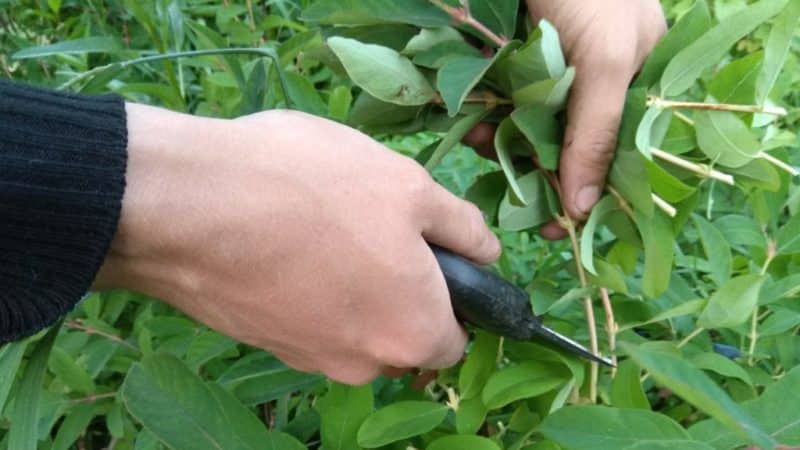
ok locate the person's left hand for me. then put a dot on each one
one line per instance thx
(607, 42)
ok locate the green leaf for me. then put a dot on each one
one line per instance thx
(460, 74)
(781, 321)
(438, 55)
(733, 304)
(690, 27)
(69, 372)
(24, 435)
(539, 59)
(656, 232)
(303, 96)
(499, 15)
(603, 428)
(77, 46)
(725, 139)
(454, 137)
(636, 190)
(683, 309)
(471, 415)
(375, 12)
(667, 185)
(645, 130)
(541, 129)
(74, 424)
(429, 38)
(689, 64)
(626, 389)
(741, 231)
(381, 71)
(487, 192)
(259, 377)
(343, 409)
(479, 365)
(789, 236)
(463, 442)
(551, 94)
(183, 411)
(696, 388)
(736, 82)
(369, 112)
(339, 103)
(526, 380)
(604, 207)
(777, 50)
(539, 211)
(719, 364)
(10, 360)
(782, 423)
(504, 139)
(399, 421)
(717, 250)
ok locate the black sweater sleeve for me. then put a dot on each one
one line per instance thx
(62, 176)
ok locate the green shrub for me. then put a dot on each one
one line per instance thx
(689, 264)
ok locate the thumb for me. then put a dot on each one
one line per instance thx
(593, 118)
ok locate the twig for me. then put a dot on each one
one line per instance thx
(462, 16)
(623, 204)
(567, 223)
(78, 325)
(772, 251)
(94, 398)
(664, 206)
(669, 104)
(779, 164)
(701, 170)
(611, 328)
(683, 117)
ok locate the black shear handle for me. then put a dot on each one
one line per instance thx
(486, 300)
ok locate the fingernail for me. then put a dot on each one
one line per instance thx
(586, 199)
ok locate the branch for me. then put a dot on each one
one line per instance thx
(669, 104)
(462, 16)
(700, 170)
(611, 328)
(78, 325)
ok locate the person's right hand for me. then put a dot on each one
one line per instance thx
(297, 235)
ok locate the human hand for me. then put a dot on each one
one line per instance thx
(607, 42)
(297, 235)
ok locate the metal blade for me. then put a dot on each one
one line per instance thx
(570, 345)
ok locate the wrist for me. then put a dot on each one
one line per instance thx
(163, 149)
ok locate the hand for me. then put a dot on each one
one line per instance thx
(607, 42)
(297, 235)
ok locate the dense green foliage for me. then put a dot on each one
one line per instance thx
(701, 276)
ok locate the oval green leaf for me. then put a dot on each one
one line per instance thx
(400, 421)
(526, 380)
(384, 73)
(456, 442)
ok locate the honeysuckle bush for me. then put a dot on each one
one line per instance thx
(686, 271)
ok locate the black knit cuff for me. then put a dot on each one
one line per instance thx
(62, 176)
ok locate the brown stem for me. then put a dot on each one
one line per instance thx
(568, 224)
(623, 204)
(78, 325)
(462, 16)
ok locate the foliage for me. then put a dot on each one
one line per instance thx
(700, 275)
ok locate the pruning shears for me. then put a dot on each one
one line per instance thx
(487, 301)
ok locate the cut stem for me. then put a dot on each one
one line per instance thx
(663, 205)
(462, 16)
(588, 307)
(611, 328)
(779, 164)
(669, 104)
(700, 170)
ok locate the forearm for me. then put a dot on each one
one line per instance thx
(62, 177)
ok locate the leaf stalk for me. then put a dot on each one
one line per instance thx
(463, 16)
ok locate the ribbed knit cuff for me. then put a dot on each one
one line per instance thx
(62, 176)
